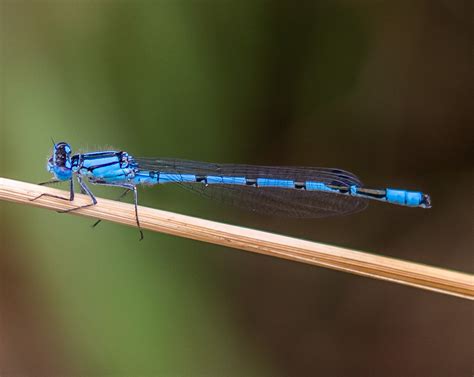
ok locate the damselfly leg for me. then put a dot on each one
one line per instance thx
(128, 187)
(71, 191)
(122, 195)
(51, 182)
(85, 190)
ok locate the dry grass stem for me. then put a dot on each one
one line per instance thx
(342, 259)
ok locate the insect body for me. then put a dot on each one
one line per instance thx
(283, 191)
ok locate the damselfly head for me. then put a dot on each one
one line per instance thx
(60, 161)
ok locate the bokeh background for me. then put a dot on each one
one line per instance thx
(381, 88)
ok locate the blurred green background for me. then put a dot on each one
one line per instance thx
(380, 88)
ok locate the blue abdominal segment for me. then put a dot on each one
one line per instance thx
(173, 177)
(318, 186)
(210, 179)
(270, 182)
(404, 198)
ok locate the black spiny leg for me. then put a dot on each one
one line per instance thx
(71, 191)
(85, 189)
(135, 194)
(129, 187)
(53, 181)
(127, 190)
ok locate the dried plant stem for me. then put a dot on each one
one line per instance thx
(352, 261)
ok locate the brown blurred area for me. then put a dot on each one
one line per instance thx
(415, 88)
(393, 105)
(30, 344)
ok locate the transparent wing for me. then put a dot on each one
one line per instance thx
(267, 200)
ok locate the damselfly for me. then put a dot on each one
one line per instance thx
(275, 190)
